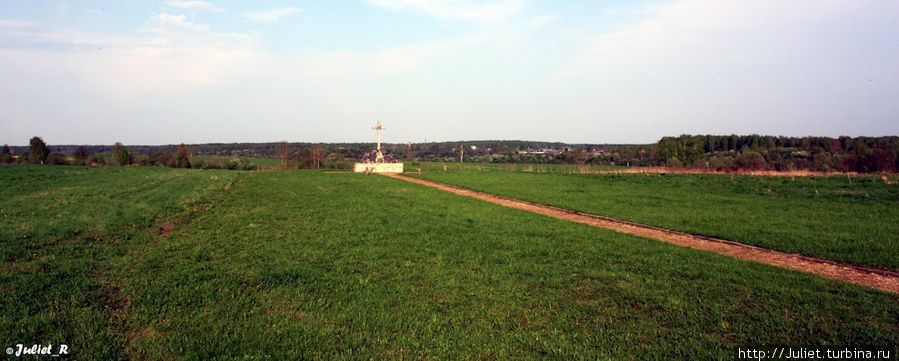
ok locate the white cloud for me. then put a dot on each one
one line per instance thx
(271, 16)
(17, 24)
(167, 22)
(490, 10)
(543, 21)
(192, 4)
(97, 13)
(698, 31)
(23, 34)
(170, 53)
(406, 60)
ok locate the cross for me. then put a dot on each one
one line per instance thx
(378, 128)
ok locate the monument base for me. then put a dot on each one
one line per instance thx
(378, 168)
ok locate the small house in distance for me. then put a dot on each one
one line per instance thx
(375, 162)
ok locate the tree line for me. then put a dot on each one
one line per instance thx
(755, 152)
(723, 153)
(38, 152)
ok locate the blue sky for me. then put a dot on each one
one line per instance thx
(195, 71)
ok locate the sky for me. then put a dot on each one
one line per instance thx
(599, 71)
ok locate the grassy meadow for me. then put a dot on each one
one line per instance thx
(512, 167)
(222, 159)
(63, 234)
(157, 263)
(853, 220)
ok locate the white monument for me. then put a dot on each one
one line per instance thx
(377, 163)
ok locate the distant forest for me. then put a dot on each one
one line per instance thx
(723, 153)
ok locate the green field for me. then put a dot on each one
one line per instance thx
(511, 167)
(852, 220)
(306, 264)
(64, 232)
(257, 161)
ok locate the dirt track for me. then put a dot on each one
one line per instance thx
(875, 278)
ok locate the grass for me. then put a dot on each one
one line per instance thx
(257, 161)
(304, 264)
(62, 228)
(512, 167)
(836, 218)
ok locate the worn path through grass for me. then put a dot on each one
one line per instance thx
(868, 277)
(852, 220)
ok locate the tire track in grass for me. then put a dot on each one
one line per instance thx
(880, 279)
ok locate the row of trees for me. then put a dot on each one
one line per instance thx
(307, 157)
(754, 152)
(710, 152)
(39, 153)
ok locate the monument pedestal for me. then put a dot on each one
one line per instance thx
(378, 167)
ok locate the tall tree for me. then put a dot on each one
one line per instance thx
(316, 156)
(39, 151)
(181, 158)
(283, 151)
(120, 154)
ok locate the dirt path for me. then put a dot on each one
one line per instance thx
(875, 278)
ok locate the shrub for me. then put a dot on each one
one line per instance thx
(751, 160)
(57, 159)
(180, 159)
(5, 155)
(80, 156)
(673, 162)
